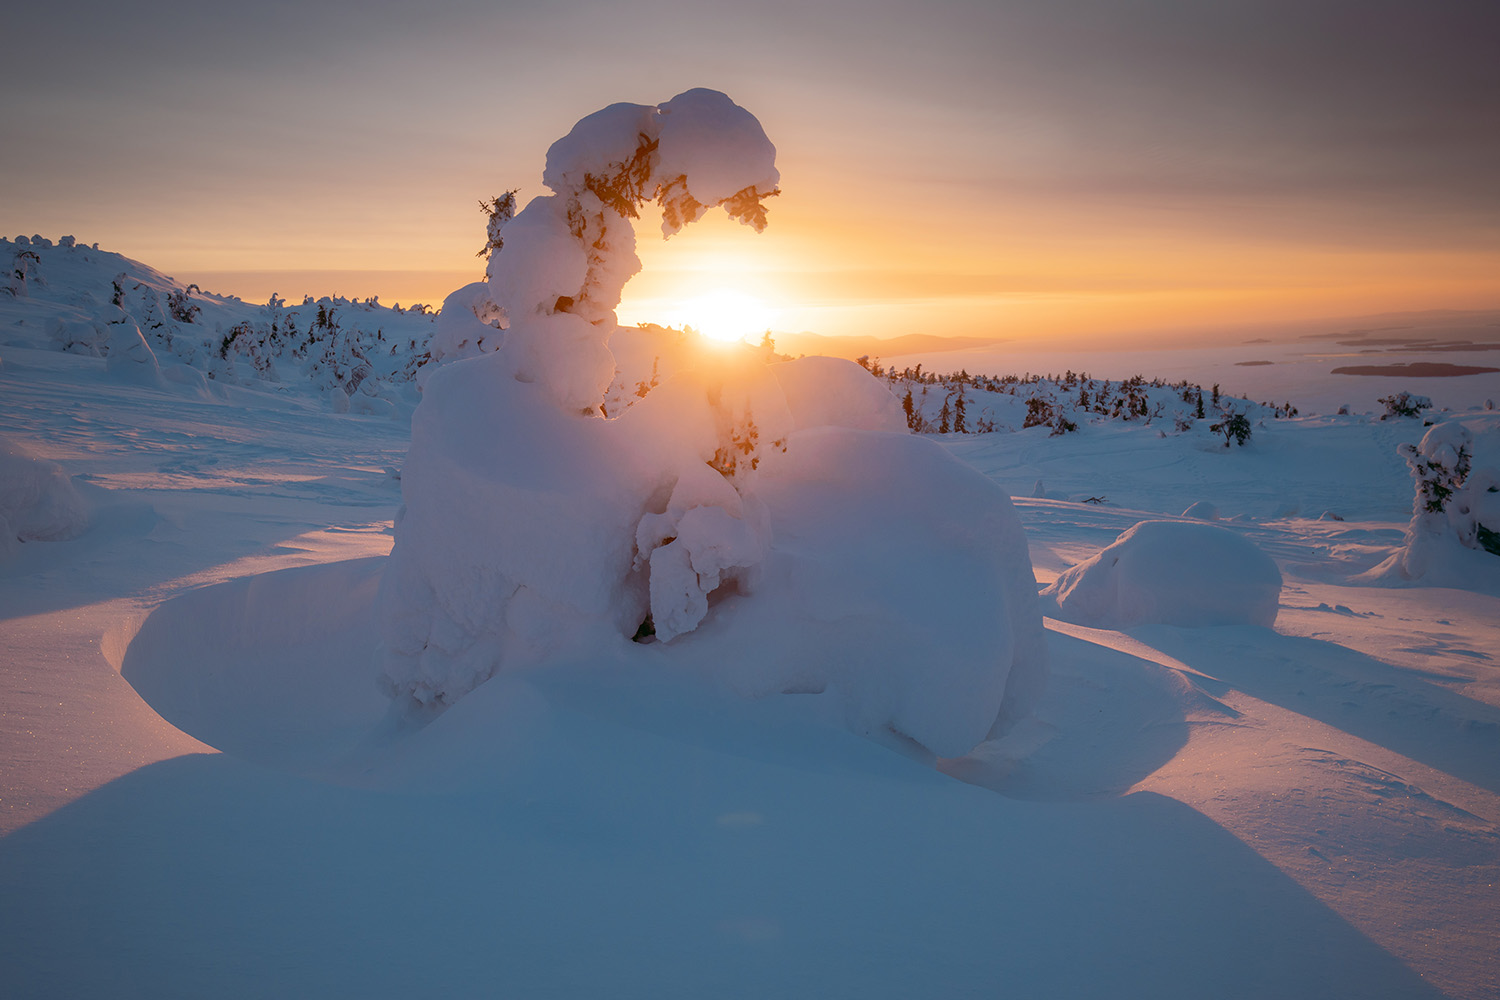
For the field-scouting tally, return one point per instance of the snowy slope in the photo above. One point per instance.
(203, 792)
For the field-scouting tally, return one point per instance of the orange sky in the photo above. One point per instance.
(972, 168)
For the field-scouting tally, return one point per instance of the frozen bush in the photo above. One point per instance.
(1404, 404)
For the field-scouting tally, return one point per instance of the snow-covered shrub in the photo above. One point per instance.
(729, 518)
(1455, 506)
(181, 307)
(1187, 573)
(1404, 404)
(37, 500)
(79, 336)
(23, 265)
(130, 358)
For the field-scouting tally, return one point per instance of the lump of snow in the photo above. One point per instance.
(469, 324)
(833, 392)
(78, 336)
(1202, 511)
(1171, 573)
(898, 580)
(37, 500)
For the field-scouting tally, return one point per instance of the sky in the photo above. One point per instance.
(1035, 171)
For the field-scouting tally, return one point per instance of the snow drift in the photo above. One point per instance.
(1186, 573)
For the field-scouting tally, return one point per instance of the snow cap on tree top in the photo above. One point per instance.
(702, 135)
(717, 144)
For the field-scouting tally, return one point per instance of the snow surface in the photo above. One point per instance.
(1304, 812)
(203, 791)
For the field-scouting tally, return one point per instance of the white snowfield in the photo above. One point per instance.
(1196, 810)
(248, 750)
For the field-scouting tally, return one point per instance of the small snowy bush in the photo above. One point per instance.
(1404, 404)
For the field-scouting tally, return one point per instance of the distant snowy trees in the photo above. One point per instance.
(1404, 404)
(980, 404)
(23, 264)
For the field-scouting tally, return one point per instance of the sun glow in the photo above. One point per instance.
(726, 315)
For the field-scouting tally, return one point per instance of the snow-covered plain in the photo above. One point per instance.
(204, 792)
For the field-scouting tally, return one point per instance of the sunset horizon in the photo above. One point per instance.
(1027, 172)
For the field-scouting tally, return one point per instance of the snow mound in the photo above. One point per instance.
(829, 392)
(1171, 573)
(37, 500)
(1202, 511)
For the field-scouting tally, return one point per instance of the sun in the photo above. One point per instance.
(726, 315)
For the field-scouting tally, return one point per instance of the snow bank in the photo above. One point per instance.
(37, 500)
(1171, 573)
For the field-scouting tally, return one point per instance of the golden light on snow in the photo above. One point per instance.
(726, 315)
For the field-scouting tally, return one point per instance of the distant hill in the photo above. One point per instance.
(876, 347)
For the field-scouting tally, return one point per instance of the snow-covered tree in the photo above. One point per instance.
(536, 530)
(1452, 503)
(1404, 404)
